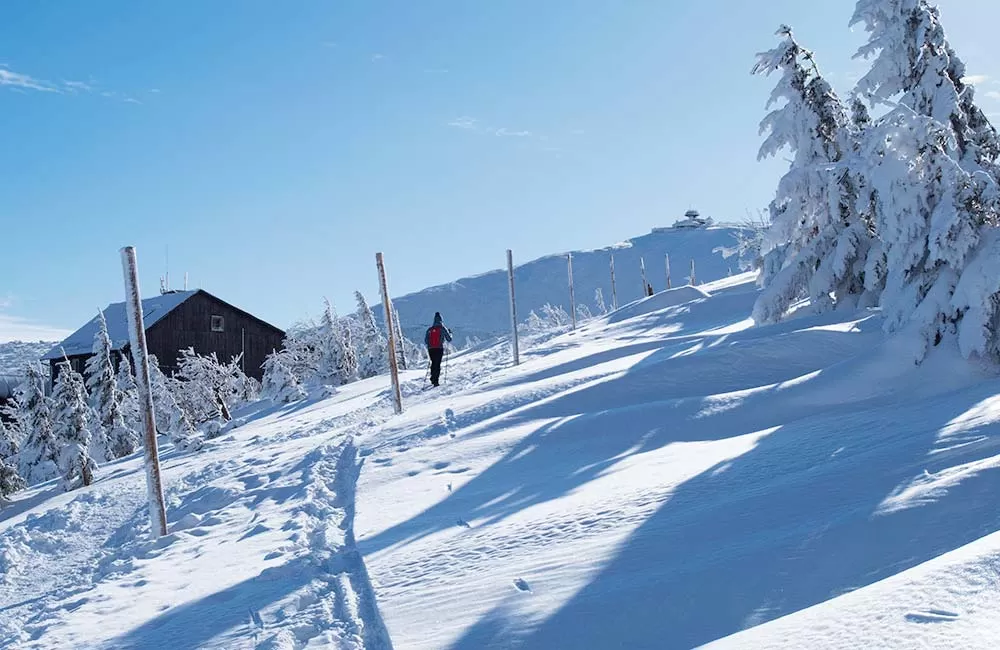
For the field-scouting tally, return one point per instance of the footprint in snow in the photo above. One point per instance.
(932, 616)
(463, 523)
(522, 585)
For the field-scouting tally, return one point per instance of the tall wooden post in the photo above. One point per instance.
(140, 361)
(668, 271)
(397, 395)
(572, 295)
(513, 308)
(614, 290)
(642, 269)
(693, 281)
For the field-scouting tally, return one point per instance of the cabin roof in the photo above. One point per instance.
(153, 310)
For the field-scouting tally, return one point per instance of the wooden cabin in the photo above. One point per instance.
(174, 321)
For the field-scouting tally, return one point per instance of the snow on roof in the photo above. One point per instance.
(153, 309)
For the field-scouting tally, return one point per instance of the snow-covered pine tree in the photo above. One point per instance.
(73, 420)
(602, 307)
(128, 396)
(37, 460)
(915, 66)
(373, 348)
(10, 480)
(330, 342)
(817, 244)
(112, 437)
(349, 366)
(933, 174)
(280, 384)
(170, 417)
(397, 332)
(583, 313)
(200, 387)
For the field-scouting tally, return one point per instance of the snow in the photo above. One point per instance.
(666, 476)
(153, 309)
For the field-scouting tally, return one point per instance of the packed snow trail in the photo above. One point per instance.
(260, 553)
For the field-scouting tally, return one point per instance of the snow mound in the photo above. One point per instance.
(658, 301)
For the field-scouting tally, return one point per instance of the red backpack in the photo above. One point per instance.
(434, 338)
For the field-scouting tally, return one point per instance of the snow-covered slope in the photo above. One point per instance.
(15, 354)
(13, 357)
(664, 477)
(478, 306)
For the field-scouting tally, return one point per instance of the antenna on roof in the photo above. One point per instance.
(167, 263)
(185, 280)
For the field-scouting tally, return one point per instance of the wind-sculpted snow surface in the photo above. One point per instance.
(666, 476)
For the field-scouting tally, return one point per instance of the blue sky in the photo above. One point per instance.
(273, 147)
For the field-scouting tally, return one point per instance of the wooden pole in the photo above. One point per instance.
(397, 395)
(572, 295)
(513, 308)
(140, 360)
(668, 271)
(642, 268)
(693, 281)
(614, 291)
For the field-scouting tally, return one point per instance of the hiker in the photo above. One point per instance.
(434, 339)
(649, 289)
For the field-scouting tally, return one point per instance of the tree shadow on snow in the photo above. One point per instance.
(797, 520)
(651, 405)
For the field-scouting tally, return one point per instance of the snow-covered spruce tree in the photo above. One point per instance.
(331, 348)
(128, 396)
(915, 66)
(10, 480)
(8, 443)
(817, 244)
(349, 366)
(239, 388)
(402, 350)
(280, 384)
(171, 419)
(602, 307)
(372, 345)
(199, 390)
(111, 436)
(933, 171)
(37, 460)
(73, 420)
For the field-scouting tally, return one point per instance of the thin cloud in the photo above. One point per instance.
(465, 123)
(154, 90)
(14, 328)
(507, 133)
(378, 57)
(78, 86)
(20, 81)
(993, 94)
(975, 79)
(132, 100)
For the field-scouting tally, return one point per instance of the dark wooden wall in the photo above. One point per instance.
(190, 325)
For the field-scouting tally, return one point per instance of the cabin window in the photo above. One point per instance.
(218, 324)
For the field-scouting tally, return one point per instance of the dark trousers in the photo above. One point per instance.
(436, 354)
